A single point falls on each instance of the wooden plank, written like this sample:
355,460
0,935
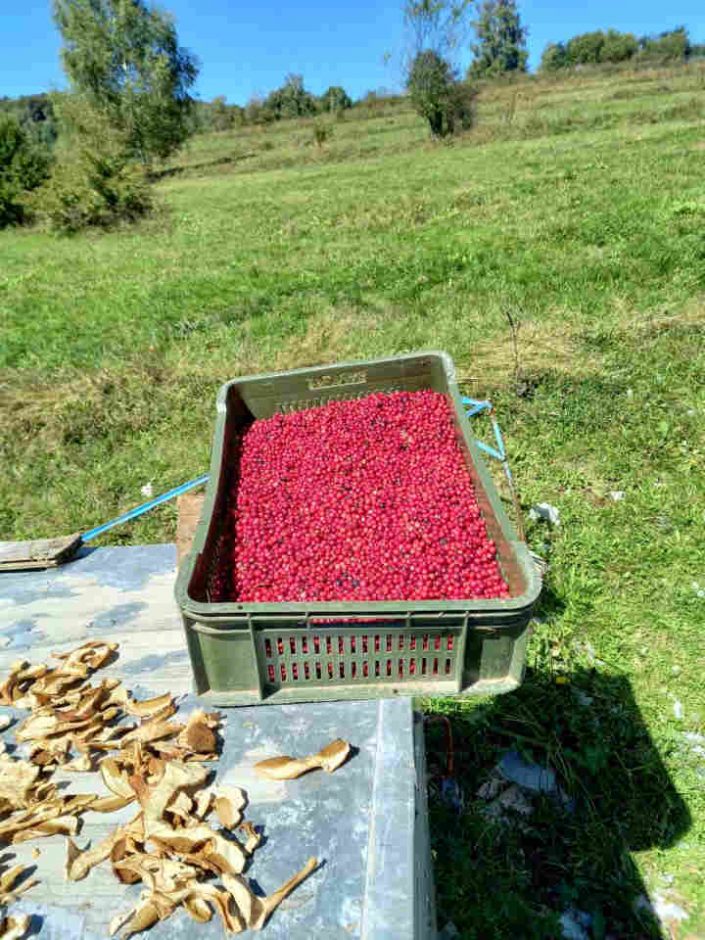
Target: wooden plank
189,507
38,553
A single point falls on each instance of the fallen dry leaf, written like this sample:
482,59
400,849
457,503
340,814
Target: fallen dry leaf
328,758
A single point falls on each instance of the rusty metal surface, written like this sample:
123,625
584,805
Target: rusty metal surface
360,821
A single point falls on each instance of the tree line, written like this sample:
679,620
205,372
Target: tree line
603,47
84,156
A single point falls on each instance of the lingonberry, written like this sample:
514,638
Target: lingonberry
361,500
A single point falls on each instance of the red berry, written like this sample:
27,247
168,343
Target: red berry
359,500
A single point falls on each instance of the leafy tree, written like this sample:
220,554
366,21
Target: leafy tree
221,115
24,165
335,99
291,100
437,25
501,40
35,114
671,46
554,57
600,47
586,48
437,95
618,47
124,59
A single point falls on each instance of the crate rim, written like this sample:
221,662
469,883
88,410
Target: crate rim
211,612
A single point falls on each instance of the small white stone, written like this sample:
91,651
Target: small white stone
147,490
617,495
678,710
547,512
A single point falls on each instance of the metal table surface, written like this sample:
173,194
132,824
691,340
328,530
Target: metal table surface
366,823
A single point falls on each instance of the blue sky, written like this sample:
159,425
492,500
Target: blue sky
248,48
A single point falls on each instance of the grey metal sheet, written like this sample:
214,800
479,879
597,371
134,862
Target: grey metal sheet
360,822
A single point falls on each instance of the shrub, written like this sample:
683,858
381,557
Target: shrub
93,193
24,165
671,46
335,99
618,47
94,183
291,100
437,95
321,133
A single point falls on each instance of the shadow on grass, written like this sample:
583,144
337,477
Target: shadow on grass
513,870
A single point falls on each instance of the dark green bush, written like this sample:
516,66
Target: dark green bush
94,182
24,165
438,96
93,192
321,133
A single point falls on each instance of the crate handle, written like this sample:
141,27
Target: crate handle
476,406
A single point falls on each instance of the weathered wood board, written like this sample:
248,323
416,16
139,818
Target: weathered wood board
365,823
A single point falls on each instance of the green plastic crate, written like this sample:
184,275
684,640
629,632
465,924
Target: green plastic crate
244,653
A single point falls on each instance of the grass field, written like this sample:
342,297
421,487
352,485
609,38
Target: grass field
576,206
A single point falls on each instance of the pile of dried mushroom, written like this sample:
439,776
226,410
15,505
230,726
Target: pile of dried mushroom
171,844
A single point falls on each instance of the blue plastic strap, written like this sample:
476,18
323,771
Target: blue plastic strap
476,406
145,507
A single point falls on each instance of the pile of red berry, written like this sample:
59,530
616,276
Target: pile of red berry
359,500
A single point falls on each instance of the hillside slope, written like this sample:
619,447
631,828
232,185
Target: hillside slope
577,205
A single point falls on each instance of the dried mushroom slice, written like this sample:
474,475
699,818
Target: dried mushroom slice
199,734
17,779
115,777
198,908
152,730
229,803
80,764
180,808
89,656
254,838
111,804
256,910
14,926
329,758
217,852
10,890
79,863
175,778
221,901
60,826
148,707
142,917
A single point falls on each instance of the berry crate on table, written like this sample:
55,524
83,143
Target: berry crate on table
247,647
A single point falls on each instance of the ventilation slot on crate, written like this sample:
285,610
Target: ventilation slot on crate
296,659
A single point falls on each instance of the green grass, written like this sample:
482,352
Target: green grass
579,206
